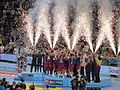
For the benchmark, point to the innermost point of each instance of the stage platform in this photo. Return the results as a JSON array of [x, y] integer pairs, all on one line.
[[53, 81]]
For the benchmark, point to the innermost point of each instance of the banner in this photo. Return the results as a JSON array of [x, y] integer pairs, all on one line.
[[109, 70], [54, 82], [114, 71]]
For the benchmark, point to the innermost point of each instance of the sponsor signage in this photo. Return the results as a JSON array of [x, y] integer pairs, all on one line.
[[109, 70], [54, 82], [114, 71]]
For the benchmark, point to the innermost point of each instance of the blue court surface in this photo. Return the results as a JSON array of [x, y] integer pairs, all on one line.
[[107, 83], [113, 83]]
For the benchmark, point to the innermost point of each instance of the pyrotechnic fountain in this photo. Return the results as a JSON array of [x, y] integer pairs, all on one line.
[[82, 23], [29, 28], [61, 22], [105, 17], [119, 36], [42, 22], [30, 19], [38, 21], [39, 16]]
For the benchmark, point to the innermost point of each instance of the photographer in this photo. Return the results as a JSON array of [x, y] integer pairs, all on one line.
[[74, 83], [82, 83]]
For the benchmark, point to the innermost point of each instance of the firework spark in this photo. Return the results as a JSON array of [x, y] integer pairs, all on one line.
[[29, 28], [61, 23], [119, 36], [106, 25], [42, 23], [82, 24]]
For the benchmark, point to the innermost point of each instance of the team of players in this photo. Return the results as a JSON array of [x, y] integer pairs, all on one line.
[[62, 63]]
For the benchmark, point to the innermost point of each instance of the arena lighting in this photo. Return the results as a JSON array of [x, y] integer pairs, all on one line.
[[105, 17]]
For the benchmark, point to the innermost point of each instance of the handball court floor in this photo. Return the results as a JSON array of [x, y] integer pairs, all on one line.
[[10, 78], [114, 86]]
